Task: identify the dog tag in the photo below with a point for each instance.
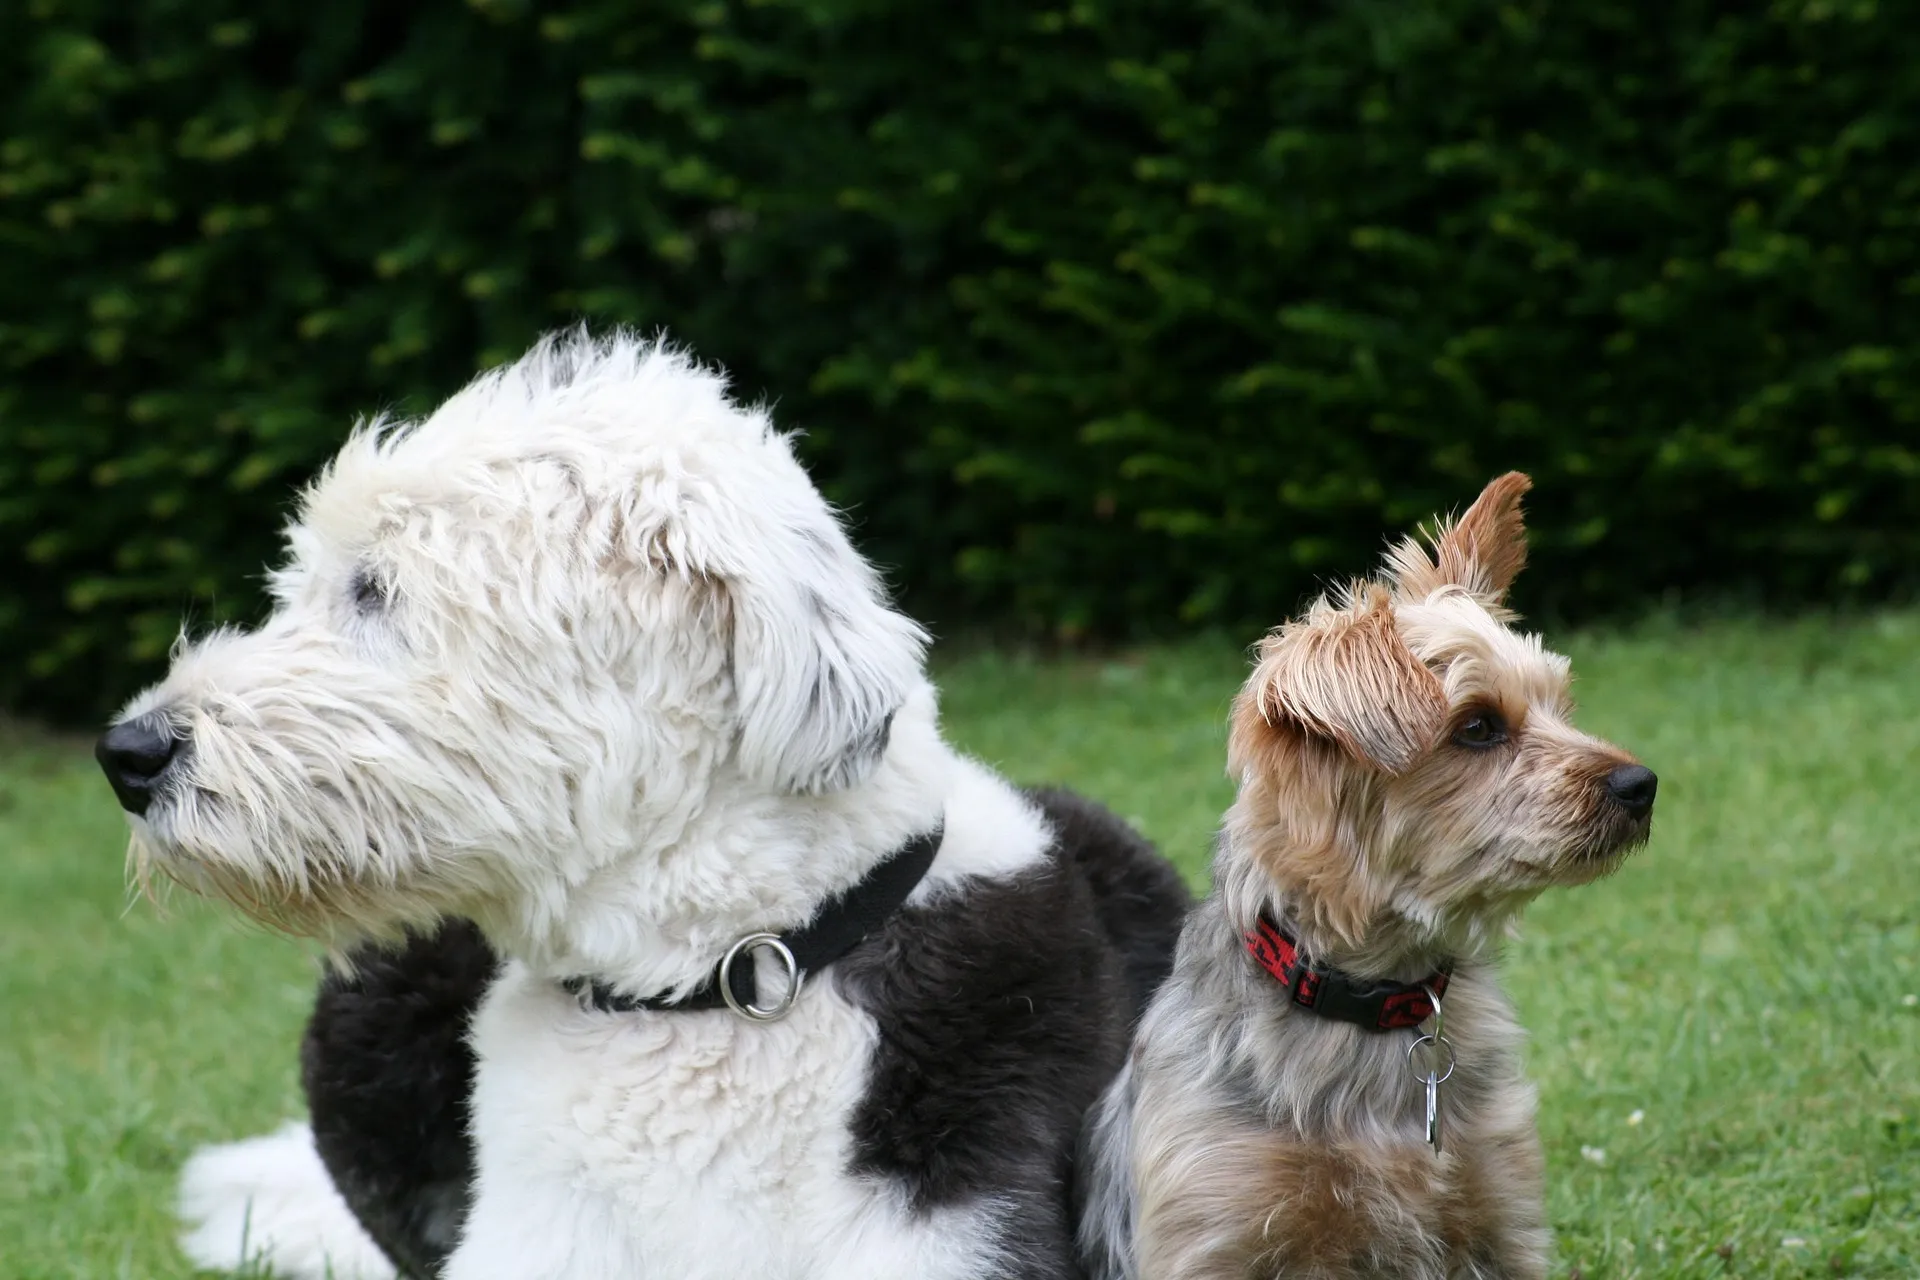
(1433, 1077)
(1433, 1112)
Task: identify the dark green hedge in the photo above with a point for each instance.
(1104, 317)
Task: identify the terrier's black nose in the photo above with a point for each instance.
(1633, 786)
(135, 755)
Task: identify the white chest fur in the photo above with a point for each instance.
(684, 1145)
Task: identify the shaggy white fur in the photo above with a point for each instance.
(585, 657)
(269, 1200)
(751, 1120)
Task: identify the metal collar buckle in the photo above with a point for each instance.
(755, 1012)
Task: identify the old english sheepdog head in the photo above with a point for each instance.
(586, 602)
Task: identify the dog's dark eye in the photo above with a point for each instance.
(1481, 729)
(368, 591)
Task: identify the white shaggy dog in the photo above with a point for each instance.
(585, 659)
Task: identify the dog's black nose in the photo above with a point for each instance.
(135, 755)
(1633, 786)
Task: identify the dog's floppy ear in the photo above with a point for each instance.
(818, 660)
(1483, 551)
(821, 663)
(1344, 676)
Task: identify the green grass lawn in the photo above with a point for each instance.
(1725, 1034)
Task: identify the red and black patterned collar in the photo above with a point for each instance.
(1377, 1006)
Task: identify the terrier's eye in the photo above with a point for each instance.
(1481, 729)
(369, 593)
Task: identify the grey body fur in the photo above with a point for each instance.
(1225, 1068)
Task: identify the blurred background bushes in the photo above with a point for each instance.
(1103, 318)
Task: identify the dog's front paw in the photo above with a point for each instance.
(267, 1205)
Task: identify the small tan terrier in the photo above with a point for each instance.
(1329, 1085)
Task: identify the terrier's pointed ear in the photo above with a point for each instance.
(1483, 551)
(1342, 676)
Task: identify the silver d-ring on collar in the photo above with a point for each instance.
(754, 1012)
(1438, 1043)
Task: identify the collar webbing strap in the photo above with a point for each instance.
(837, 928)
(1378, 1006)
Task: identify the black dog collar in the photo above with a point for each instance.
(1377, 1006)
(836, 929)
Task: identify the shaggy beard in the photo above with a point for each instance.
(1606, 848)
(300, 899)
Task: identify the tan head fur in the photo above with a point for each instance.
(1409, 768)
